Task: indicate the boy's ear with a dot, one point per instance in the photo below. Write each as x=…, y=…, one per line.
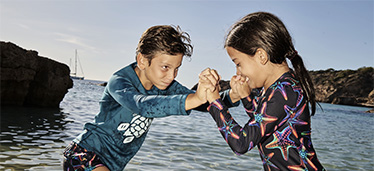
x=142, y=62
x=262, y=56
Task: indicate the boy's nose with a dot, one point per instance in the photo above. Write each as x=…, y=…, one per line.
x=171, y=75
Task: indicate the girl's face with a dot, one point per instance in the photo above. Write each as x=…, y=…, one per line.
x=248, y=66
x=161, y=72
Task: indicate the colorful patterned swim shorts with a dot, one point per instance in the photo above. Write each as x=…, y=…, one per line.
x=77, y=158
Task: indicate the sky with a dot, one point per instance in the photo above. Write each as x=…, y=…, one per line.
x=327, y=34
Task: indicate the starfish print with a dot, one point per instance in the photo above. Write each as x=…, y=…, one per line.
x=305, y=155
x=293, y=80
x=252, y=104
x=293, y=117
x=216, y=104
x=253, y=107
x=300, y=167
x=262, y=119
x=266, y=159
x=300, y=96
x=250, y=146
x=282, y=141
x=279, y=86
x=227, y=127
x=306, y=134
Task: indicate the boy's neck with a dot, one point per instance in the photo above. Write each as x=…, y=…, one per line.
x=143, y=79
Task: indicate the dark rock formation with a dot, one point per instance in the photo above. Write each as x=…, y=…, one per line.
x=348, y=87
x=103, y=84
x=370, y=111
x=30, y=80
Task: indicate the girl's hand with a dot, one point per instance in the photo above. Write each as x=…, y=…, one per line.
x=233, y=93
x=239, y=87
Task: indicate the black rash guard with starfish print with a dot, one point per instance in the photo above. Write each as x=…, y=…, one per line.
x=279, y=126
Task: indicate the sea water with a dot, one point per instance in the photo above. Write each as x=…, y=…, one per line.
x=34, y=138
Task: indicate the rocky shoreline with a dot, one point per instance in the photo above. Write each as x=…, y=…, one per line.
x=347, y=87
x=28, y=79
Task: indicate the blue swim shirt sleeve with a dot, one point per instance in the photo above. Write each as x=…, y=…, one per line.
x=130, y=97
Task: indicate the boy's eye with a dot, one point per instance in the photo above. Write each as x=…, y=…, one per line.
x=165, y=67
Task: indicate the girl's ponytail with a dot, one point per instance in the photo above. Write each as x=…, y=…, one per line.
x=303, y=76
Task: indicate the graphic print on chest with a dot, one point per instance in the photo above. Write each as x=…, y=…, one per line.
x=136, y=128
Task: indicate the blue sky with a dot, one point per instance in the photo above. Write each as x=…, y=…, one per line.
x=327, y=34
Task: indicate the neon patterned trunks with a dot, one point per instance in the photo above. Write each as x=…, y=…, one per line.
x=77, y=158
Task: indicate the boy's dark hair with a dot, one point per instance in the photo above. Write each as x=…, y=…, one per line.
x=266, y=31
x=164, y=39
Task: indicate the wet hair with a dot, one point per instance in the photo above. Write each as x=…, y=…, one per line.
x=166, y=39
x=266, y=31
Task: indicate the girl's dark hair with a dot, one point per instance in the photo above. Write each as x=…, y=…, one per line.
x=165, y=39
x=266, y=31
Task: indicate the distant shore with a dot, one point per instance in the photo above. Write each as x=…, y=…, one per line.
x=349, y=87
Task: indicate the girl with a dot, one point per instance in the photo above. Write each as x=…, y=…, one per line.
x=279, y=123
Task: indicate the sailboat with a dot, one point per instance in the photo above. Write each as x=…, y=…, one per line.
x=74, y=75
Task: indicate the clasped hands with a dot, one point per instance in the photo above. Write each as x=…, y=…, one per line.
x=208, y=86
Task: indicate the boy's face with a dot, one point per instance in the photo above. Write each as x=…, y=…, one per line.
x=161, y=72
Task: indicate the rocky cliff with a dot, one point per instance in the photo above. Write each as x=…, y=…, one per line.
x=349, y=87
x=31, y=80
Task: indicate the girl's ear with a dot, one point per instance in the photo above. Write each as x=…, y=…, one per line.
x=262, y=56
x=140, y=59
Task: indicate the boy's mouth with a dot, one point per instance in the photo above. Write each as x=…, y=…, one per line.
x=166, y=83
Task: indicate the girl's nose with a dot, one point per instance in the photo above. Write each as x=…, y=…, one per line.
x=238, y=72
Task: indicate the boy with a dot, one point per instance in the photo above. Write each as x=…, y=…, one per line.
x=134, y=96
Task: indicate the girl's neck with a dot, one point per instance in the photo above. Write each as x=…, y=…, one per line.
x=275, y=71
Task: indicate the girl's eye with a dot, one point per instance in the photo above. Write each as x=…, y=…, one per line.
x=238, y=65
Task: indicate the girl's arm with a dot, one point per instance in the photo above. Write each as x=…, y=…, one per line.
x=263, y=122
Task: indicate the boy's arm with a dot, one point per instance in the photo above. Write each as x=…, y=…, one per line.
x=127, y=95
x=193, y=101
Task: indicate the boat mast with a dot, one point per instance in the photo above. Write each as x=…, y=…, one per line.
x=75, y=62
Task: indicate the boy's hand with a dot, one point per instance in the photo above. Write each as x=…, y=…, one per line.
x=212, y=88
x=213, y=95
x=211, y=75
x=203, y=86
x=208, y=81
